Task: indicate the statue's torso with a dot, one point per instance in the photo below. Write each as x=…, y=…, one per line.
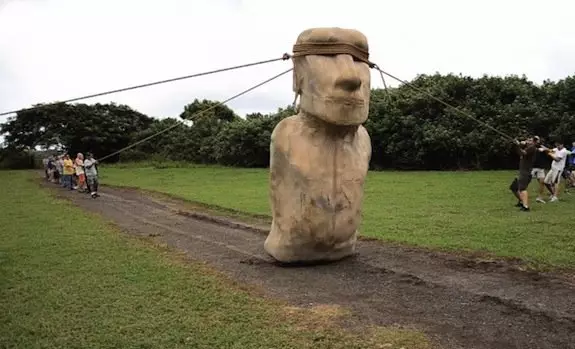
x=317, y=183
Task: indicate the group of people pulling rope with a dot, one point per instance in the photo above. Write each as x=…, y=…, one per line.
x=79, y=174
x=533, y=162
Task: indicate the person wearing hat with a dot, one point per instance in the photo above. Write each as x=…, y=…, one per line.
x=526, y=150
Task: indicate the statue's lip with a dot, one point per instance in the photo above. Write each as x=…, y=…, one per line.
x=346, y=100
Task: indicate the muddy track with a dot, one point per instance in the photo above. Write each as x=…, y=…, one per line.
x=457, y=303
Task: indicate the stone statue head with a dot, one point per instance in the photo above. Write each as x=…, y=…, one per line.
x=332, y=75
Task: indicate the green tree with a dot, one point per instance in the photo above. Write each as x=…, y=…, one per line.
x=166, y=145
x=99, y=128
x=208, y=118
x=246, y=142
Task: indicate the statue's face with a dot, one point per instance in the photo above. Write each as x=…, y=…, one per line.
x=334, y=88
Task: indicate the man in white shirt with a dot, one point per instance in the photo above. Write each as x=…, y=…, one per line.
x=559, y=155
x=91, y=172
x=540, y=166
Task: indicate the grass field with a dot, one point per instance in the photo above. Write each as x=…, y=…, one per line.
x=69, y=280
x=463, y=211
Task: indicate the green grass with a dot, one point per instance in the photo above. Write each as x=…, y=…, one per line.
x=70, y=280
x=458, y=211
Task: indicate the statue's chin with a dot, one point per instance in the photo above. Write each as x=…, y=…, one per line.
x=341, y=115
x=342, y=111
x=347, y=101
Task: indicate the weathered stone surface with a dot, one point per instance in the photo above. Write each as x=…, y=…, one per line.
x=319, y=157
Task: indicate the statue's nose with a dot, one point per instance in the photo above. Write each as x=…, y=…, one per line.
x=348, y=83
x=348, y=80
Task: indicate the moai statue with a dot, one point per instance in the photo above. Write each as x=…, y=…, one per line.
x=320, y=157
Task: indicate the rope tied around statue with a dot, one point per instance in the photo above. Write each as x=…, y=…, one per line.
x=332, y=48
x=336, y=48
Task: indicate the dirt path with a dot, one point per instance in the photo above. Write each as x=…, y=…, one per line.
x=458, y=303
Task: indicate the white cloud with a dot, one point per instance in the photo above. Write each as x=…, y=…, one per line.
x=58, y=49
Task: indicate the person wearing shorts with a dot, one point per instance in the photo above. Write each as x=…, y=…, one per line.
x=559, y=155
x=527, y=150
x=91, y=172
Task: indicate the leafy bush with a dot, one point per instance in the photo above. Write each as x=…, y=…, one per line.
x=408, y=129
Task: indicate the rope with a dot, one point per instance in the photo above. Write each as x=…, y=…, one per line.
x=504, y=135
x=372, y=65
x=337, y=48
x=284, y=57
x=198, y=113
x=331, y=48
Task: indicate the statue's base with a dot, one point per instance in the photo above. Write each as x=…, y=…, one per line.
x=308, y=254
x=312, y=263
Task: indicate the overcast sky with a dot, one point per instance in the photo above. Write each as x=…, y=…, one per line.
x=59, y=49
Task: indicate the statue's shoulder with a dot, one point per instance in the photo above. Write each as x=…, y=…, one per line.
x=286, y=127
x=363, y=134
x=364, y=140
x=287, y=123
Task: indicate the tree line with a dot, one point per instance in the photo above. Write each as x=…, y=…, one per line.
x=408, y=129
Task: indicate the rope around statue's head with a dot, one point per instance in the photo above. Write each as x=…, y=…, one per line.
x=332, y=48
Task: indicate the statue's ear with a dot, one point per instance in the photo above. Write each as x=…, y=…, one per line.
x=297, y=79
x=295, y=106
x=296, y=82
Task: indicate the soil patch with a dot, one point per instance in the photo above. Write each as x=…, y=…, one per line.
x=458, y=302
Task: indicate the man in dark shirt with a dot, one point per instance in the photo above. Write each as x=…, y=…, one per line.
x=527, y=151
x=569, y=171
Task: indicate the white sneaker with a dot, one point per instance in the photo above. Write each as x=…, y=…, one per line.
x=540, y=200
x=553, y=199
